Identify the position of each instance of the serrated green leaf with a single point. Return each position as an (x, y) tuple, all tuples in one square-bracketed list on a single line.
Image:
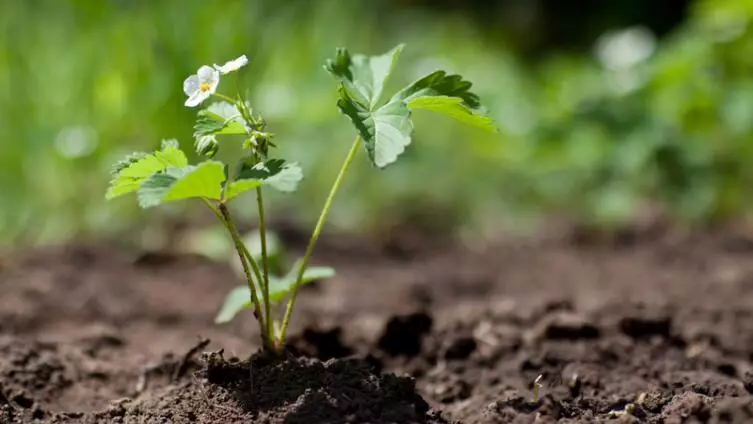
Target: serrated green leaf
[(129, 179), (385, 132), (277, 173), (126, 162), (454, 108), (240, 186), (449, 95), (210, 123), (236, 301), (364, 75), (204, 180)]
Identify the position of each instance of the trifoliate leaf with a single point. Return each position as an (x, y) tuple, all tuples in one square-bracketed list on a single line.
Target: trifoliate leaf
[(363, 74), (385, 132), (236, 301), (449, 95), (204, 180), (141, 166), (277, 173)]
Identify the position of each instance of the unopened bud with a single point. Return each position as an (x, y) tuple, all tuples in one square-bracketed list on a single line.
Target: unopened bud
[(207, 145)]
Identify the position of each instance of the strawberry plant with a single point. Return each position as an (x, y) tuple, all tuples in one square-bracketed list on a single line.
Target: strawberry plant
[(384, 128)]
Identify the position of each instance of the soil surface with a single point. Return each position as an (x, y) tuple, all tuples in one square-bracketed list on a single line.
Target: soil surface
[(654, 328)]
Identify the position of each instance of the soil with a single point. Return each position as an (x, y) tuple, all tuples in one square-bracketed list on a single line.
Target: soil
[(654, 328)]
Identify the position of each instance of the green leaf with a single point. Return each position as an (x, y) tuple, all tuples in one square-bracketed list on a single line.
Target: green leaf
[(280, 287), (210, 123), (449, 95), (454, 108), (240, 186), (130, 173), (385, 132), (204, 180), (126, 162), (236, 301), (239, 298), (277, 173), (171, 155), (364, 75)]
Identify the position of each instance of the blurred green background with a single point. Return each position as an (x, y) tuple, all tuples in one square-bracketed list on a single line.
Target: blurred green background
[(602, 106)]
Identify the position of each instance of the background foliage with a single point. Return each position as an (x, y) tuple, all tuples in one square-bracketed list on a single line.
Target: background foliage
[(602, 106)]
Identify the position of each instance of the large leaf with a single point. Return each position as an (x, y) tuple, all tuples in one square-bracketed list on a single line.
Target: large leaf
[(130, 173), (449, 95), (363, 74), (385, 132), (204, 180)]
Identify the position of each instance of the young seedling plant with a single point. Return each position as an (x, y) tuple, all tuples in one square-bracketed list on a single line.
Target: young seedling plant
[(384, 128)]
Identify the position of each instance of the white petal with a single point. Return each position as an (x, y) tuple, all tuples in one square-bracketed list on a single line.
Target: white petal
[(232, 65), (197, 98), (208, 75), (191, 85)]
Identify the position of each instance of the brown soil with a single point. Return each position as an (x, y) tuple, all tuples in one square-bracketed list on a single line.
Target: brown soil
[(655, 329)]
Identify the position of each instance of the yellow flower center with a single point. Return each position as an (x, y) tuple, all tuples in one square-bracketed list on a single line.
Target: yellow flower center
[(204, 87)]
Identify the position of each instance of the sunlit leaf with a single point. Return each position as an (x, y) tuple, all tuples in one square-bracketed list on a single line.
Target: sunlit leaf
[(454, 108), (130, 173), (449, 95), (204, 180)]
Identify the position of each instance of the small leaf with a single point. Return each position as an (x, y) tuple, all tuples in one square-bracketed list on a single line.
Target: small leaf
[(363, 74), (454, 108), (279, 288), (204, 180), (236, 301)]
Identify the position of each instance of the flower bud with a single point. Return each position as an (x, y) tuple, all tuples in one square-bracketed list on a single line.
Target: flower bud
[(207, 145)]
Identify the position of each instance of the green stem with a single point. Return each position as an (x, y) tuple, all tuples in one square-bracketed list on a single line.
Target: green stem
[(265, 261), (314, 238), (224, 97), (245, 259)]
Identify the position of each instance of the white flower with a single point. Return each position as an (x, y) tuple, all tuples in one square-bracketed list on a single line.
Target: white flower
[(232, 65), (200, 86)]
